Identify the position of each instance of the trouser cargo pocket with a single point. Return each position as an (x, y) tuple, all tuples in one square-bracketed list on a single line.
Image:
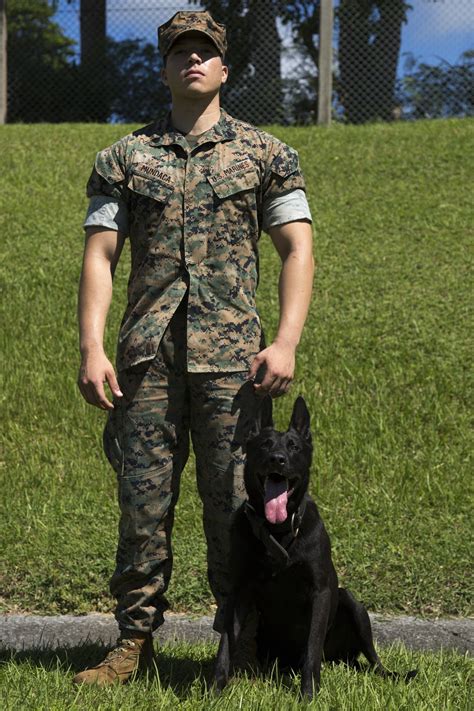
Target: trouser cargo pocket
[(111, 441), (146, 505)]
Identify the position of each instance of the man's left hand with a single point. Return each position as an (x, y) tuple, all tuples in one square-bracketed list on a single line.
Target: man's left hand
[(278, 361)]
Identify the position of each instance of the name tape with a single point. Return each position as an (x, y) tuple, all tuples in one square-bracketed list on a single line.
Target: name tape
[(241, 167), (155, 172)]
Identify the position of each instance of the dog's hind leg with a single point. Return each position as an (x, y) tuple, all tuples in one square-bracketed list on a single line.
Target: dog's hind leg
[(221, 672), (363, 636), (361, 627), (363, 631)]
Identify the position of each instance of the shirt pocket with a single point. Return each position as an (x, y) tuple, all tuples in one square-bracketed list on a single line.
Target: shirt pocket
[(226, 186), (150, 187)]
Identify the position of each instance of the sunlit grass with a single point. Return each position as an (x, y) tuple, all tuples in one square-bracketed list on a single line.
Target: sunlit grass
[(43, 682)]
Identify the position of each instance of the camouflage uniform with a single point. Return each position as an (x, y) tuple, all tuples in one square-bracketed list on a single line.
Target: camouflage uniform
[(188, 337)]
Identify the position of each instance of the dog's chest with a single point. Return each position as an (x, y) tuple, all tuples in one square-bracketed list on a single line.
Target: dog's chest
[(292, 586)]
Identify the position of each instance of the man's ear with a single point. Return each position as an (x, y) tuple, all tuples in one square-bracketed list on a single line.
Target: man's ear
[(263, 417), (163, 76), (300, 419), (225, 73)]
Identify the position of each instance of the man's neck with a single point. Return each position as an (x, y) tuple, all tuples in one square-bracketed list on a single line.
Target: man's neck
[(194, 116)]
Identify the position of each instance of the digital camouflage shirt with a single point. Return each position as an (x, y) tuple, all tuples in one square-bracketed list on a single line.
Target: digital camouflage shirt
[(195, 218)]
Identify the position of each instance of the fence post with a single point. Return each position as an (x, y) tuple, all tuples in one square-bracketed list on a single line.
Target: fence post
[(325, 62), (3, 63)]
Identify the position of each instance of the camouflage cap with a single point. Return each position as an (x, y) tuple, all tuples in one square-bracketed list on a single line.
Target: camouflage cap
[(188, 21)]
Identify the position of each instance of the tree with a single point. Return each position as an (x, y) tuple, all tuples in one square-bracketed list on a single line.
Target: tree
[(96, 97), (39, 64), (3, 63), (369, 48), (438, 91), (45, 83), (301, 95), (265, 58), (253, 91), (304, 17), (133, 77), (93, 56)]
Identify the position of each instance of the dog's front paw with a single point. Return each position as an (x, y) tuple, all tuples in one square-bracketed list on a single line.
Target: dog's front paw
[(220, 682), (309, 687)]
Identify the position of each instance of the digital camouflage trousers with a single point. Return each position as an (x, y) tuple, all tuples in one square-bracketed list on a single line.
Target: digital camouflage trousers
[(146, 439)]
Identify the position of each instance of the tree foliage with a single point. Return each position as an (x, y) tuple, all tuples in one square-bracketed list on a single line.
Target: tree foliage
[(369, 50), (137, 93), (46, 83), (438, 91), (39, 63), (304, 18), (253, 91), (369, 47)]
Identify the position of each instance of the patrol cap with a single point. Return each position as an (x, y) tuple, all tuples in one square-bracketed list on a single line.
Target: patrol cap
[(189, 21)]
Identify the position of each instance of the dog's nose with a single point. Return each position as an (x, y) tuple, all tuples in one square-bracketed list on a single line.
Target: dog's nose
[(278, 459)]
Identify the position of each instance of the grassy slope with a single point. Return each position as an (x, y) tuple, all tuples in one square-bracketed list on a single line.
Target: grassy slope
[(384, 365)]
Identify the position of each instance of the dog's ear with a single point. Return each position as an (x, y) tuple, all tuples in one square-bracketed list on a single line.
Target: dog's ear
[(300, 419), (266, 412), (263, 417)]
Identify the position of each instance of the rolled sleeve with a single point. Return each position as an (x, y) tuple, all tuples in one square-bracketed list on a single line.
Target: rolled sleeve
[(283, 173), (107, 212), (108, 177), (107, 190), (288, 207)]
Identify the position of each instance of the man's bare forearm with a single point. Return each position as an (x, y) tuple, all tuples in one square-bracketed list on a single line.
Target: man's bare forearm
[(293, 241), (101, 254), (295, 288), (95, 288), (95, 294)]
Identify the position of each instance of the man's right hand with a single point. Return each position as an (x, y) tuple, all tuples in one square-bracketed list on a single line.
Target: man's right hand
[(101, 253), (96, 369)]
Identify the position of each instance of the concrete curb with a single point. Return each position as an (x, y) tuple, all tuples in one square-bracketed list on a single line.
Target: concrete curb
[(32, 632)]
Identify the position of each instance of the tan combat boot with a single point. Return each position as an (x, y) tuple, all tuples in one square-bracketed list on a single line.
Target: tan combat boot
[(122, 662)]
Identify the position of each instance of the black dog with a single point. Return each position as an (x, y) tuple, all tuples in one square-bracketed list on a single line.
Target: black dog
[(282, 569)]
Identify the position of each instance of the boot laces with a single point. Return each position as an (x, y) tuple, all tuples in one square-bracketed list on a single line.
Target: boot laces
[(123, 646)]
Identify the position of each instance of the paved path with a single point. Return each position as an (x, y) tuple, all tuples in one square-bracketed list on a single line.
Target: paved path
[(28, 632)]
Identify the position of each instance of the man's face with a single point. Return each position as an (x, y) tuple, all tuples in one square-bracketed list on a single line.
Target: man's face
[(193, 67)]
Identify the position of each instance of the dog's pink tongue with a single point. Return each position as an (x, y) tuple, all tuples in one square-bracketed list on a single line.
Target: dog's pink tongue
[(276, 498)]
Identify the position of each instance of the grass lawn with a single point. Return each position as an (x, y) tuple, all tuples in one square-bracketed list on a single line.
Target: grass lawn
[(43, 683), (385, 366)]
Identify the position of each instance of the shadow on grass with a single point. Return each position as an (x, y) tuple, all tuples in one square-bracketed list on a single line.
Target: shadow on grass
[(176, 671)]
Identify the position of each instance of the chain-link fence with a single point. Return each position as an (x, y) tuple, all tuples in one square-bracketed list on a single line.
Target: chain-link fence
[(96, 60)]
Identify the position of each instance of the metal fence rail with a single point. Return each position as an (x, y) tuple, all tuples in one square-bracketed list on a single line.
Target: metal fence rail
[(96, 60)]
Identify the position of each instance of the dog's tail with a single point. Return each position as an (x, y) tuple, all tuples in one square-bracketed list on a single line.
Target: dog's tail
[(394, 676)]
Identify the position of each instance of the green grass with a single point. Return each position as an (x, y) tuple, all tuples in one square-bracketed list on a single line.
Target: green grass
[(43, 682), (385, 365)]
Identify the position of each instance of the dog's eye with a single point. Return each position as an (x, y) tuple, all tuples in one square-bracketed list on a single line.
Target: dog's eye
[(293, 445), (267, 443)]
